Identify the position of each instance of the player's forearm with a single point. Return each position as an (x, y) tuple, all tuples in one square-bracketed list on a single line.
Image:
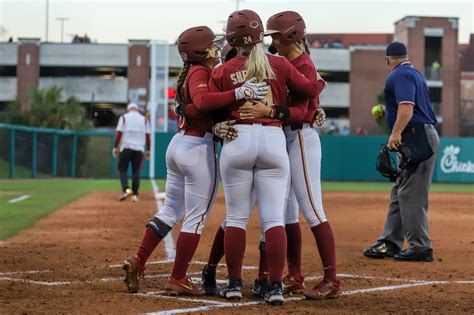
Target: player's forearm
[(214, 100), (118, 137), (404, 115), (148, 141)]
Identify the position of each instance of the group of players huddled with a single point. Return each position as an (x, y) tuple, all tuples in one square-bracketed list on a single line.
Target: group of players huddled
[(263, 108)]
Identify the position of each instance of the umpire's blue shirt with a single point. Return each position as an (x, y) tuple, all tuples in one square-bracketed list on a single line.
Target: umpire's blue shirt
[(406, 85)]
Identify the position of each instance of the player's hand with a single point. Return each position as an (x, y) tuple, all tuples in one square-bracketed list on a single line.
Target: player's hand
[(394, 141), (252, 90), (147, 155), (254, 109), (115, 152), (320, 117), (225, 131)]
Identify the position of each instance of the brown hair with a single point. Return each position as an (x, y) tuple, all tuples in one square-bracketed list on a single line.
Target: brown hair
[(181, 78)]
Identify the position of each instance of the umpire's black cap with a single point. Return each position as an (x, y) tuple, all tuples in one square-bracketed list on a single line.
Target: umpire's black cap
[(396, 49)]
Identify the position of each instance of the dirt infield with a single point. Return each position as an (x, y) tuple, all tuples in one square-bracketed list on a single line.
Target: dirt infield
[(69, 261)]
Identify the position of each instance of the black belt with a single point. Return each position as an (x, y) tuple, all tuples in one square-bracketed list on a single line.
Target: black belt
[(417, 128)]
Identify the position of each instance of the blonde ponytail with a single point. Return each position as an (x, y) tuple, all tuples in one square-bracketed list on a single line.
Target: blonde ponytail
[(257, 64), (303, 46)]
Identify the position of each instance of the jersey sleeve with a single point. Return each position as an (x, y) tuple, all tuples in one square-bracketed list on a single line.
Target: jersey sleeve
[(298, 83), (299, 104), (202, 97), (404, 89), (147, 126), (120, 124)]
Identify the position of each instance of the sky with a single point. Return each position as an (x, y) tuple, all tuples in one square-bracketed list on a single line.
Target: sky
[(112, 21)]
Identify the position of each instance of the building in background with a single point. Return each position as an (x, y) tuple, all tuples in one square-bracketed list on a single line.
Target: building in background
[(104, 77)]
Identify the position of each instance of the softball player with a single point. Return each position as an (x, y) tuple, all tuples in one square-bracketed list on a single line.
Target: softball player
[(191, 161), (304, 149), (257, 159)]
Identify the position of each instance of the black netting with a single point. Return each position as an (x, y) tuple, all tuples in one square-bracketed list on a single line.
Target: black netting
[(44, 155), (94, 156), (23, 154), (4, 153), (57, 153), (64, 155)]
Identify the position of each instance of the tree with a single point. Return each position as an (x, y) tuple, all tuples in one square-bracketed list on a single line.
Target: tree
[(49, 111)]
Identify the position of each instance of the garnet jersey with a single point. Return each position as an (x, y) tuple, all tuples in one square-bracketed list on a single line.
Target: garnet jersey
[(305, 66), (196, 91), (232, 75)]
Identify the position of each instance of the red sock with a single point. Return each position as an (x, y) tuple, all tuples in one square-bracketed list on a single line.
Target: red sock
[(217, 251), (293, 253), (234, 249), (275, 248), (327, 249), (185, 247), (263, 263), (149, 242)]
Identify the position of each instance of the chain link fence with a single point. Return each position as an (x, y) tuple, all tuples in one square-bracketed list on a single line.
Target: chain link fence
[(27, 152)]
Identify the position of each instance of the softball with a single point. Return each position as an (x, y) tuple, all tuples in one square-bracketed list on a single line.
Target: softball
[(377, 111)]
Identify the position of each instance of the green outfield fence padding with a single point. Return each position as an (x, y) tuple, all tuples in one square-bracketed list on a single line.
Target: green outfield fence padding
[(27, 152)]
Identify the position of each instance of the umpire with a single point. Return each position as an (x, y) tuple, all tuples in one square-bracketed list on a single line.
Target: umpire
[(411, 120), (133, 132)]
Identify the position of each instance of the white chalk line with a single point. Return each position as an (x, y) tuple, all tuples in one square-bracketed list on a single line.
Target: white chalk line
[(73, 282), (10, 273), (170, 248), (18, 199), (161, 294), (290, 299)]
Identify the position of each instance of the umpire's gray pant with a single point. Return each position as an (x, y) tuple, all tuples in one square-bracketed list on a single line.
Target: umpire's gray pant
[(407, 216)]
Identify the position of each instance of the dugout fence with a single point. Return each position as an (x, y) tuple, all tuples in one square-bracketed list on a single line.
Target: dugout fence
[(27, 152)]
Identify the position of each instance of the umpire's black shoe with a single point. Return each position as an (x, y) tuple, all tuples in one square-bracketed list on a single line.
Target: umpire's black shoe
[(411, 255), (209, 283), (381, 249)]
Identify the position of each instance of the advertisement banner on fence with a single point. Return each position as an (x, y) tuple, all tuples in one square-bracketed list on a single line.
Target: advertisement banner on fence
[(455, 160)]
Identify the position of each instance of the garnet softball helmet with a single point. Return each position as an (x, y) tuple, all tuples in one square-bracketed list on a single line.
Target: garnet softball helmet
[(289, 24), (244, 28), (195, 44)]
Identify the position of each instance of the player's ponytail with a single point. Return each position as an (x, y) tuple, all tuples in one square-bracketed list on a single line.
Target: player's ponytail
[(179, 86), (257, 64), (303, 46)]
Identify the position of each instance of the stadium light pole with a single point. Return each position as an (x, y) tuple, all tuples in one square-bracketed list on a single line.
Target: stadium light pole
[(62, 20), (47, 19)]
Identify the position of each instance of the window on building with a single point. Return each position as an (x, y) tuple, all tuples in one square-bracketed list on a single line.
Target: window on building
[(433, 53)]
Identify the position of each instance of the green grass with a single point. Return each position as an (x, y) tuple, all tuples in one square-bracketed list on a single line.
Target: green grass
[(386, 186), (45, 197)]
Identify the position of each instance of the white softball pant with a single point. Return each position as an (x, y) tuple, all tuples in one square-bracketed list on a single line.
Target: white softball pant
[(192, 181), (258, 160), (304, 151)]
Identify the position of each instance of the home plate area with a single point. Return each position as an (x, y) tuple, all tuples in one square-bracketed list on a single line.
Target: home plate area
[(353, 284)]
